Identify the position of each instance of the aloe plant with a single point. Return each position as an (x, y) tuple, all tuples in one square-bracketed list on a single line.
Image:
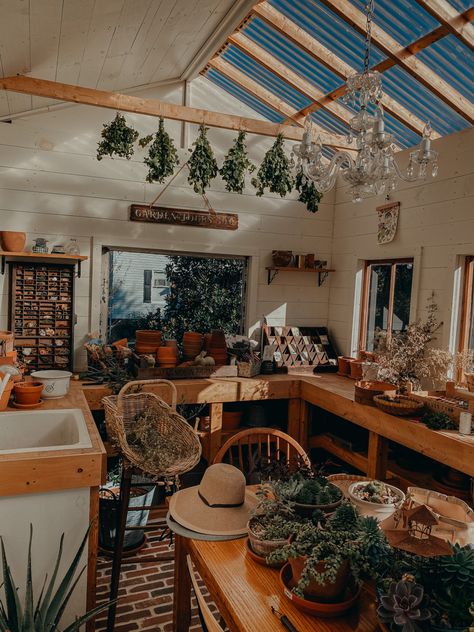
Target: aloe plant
[(46, 613)]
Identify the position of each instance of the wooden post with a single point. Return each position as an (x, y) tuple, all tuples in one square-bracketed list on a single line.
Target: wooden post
[(182, 587), (215, 431), (92, 554), (298, 421), (377, 457)]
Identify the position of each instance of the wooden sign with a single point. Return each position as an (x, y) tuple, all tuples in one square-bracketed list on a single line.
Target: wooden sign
[(180, 217)]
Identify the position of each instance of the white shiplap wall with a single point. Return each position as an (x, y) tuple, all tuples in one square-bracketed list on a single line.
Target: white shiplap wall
[(52, 186), (436, 227)]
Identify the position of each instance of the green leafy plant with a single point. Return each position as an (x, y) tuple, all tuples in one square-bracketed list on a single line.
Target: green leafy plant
[(44, 614), (457, 569), (162, 156), (438, 421), (274, 172), (343, 537), (236, 165), (308, 491), (118, 139), (202, 163), (308, 193)]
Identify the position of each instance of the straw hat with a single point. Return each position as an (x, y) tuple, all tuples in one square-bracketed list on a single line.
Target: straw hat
[(220, 505)]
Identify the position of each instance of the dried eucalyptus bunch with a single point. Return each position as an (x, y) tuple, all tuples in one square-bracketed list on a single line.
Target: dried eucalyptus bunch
[(118, 139), (162, 156), (308, 193), (274, 172), (202, 163), (236, 165)]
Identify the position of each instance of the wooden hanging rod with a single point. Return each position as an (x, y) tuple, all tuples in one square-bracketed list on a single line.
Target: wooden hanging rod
[(155, 107)]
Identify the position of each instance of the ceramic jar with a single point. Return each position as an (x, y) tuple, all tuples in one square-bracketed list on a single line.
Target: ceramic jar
[(13, 241)]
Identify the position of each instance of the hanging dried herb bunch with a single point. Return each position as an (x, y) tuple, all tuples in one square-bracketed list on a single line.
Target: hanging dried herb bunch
[(236, 165), (118, 139), (162, 156), (308, 193), (274, 172), (202, 163)]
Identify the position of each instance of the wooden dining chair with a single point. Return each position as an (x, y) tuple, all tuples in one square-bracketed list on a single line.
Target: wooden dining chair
[(250, 446), (208, 621)]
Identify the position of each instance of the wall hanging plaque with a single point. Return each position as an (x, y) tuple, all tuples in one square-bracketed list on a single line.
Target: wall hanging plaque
[(181, 217), (387, 222)]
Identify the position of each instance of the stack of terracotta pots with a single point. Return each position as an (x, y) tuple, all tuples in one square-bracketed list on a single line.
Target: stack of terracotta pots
[(147, 341), (167, 355), (192, 344), (218, 347)]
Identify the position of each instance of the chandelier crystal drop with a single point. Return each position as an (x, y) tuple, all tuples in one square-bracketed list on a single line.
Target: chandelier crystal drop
[(372, 168)]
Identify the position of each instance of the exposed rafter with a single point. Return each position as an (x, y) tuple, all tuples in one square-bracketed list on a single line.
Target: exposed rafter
[(456, 23), (417, 69), (302, 38), (155, 107), (273, 64)]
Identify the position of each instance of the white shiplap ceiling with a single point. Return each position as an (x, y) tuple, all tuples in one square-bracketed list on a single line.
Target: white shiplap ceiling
[(109, 44)]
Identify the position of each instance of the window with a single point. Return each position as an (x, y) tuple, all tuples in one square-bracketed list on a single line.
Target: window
[(159, 279), (155, 286), (467, 315), (386, 301)]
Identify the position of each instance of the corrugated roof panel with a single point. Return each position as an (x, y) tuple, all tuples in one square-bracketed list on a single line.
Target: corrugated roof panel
[(291, 55), (265, 78), (326, 120), (404, 20), (244, 96), (461, 5), (419, 100), (329, 29), (453, 61)]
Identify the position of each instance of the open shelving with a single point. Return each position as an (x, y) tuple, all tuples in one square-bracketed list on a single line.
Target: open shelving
[(322, 273)]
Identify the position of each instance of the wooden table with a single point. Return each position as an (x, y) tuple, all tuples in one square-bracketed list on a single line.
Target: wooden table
[(244, 592)]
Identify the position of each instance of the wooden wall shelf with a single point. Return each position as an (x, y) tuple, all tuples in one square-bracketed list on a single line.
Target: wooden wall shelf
[(322, 273), (45, 257)]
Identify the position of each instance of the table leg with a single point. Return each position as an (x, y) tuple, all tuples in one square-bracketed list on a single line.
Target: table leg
[(182, 587), (377, 456), (215, 435)]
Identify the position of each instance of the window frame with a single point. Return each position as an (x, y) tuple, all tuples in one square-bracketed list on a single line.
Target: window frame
[(364, 304), (466, 303)]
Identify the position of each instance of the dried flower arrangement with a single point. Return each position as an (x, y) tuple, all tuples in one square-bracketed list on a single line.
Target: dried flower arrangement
[(236, 165), (308, 193), (118, 139), (162, 155), (274, 172), (202, 163)]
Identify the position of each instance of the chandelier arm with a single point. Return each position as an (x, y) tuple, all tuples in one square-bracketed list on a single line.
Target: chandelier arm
[(403, 175), (325, 179)]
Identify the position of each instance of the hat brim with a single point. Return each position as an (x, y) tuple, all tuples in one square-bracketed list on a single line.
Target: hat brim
[(187, 508)]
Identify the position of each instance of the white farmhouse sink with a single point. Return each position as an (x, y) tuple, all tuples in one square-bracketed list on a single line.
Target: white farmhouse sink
[(41, 430)]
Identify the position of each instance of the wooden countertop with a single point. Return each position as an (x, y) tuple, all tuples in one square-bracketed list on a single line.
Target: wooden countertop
[(330, 392), (41, 471)]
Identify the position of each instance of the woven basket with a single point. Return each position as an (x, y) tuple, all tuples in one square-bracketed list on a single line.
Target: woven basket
[(123, 410), (402, 406), (365, 391)]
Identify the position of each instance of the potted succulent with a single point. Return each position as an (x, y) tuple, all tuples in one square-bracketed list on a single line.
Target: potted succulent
[(308, 494), (404, 607), (328, 557)]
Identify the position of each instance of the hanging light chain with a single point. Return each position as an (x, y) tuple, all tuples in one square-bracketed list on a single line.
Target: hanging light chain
[(369, 7)]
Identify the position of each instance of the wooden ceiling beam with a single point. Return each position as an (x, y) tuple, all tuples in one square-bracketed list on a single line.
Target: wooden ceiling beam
[(270, 99), (274, 65), (393, 49), (152, 107), (304, 40), (455, 22)]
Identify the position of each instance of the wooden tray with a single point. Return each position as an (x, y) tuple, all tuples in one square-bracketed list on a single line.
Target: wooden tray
[(184, 372)]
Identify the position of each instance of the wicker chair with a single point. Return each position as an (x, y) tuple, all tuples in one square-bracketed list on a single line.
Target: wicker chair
[(124, 413), (251, 445)]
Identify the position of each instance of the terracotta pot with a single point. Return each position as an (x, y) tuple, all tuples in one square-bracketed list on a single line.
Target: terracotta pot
[(13, 241), (142, 334), (344, 364), (326, 593), (218, 338), (356, 369), (470, 381), (28, 392), (207, 341), (365, 390), (192, 336), (6, 395), (166, 352), (231, 421)]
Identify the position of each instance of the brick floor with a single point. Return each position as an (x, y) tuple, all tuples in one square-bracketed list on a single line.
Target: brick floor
[(146, 590)]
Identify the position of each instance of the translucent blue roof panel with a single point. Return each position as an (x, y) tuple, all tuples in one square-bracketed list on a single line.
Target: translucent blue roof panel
[(292, 55), (453, 61), (461, 5), (404, 20), (329, 29), (421, 101), (265, 78), (328, 121), (244, 96)]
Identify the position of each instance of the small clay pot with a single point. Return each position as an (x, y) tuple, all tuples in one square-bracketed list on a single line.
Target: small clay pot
[(325, 593), (27, 393), (13, 241), (344, 364), (356, 369)]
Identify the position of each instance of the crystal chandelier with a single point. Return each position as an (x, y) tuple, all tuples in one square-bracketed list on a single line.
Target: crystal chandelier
[(373, 170)]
